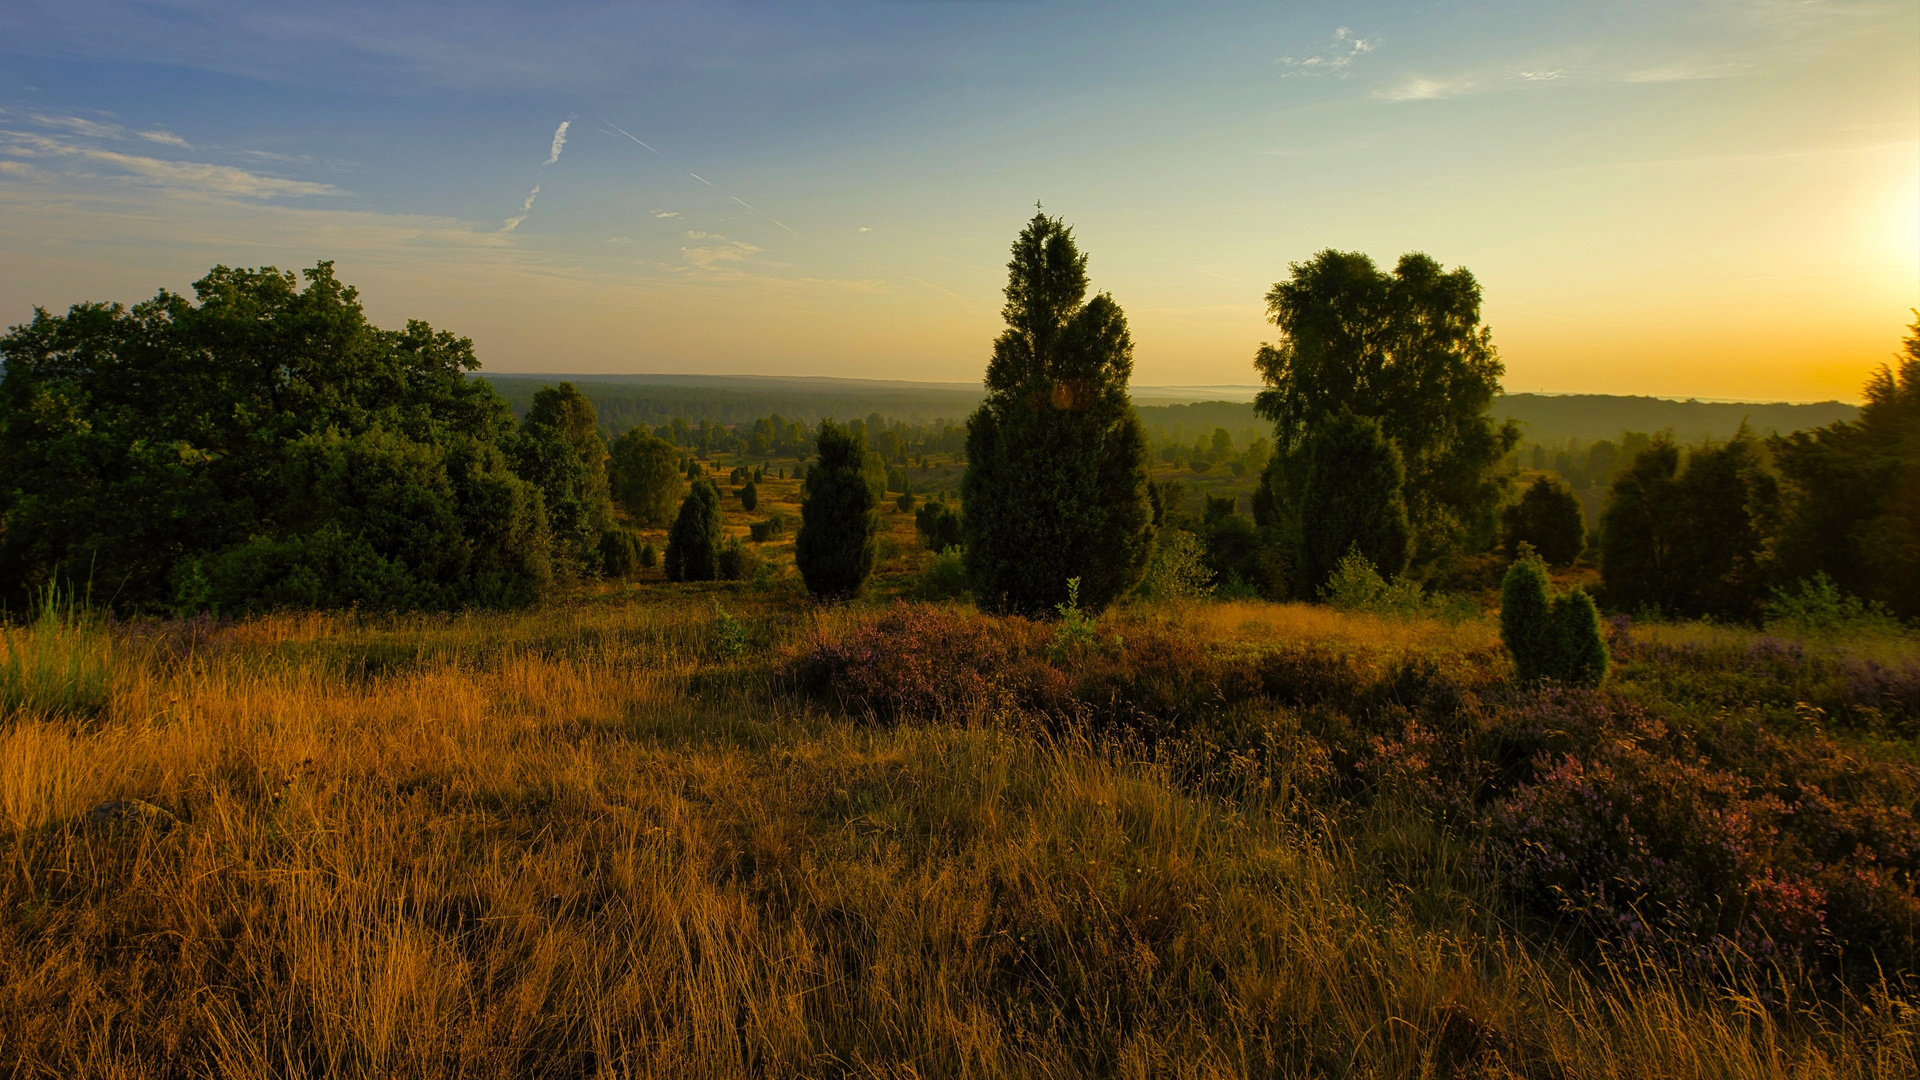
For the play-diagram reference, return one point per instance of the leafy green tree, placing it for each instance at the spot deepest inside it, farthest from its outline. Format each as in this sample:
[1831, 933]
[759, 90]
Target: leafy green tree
[1547, 516]
[838, 543]
[559, 450]
[749, 496]
[1852, 492]
[619, 552]
[644, 476]
[137, 445]
[1056, 486]
[1407, 349]
[1693, 541]
[693, 543]
[1350, 499]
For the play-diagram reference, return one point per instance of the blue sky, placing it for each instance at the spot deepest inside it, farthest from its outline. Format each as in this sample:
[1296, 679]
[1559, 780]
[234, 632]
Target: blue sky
[1720, 199]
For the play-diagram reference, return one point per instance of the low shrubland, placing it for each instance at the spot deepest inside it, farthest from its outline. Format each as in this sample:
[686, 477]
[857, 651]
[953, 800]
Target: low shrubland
[724, 832]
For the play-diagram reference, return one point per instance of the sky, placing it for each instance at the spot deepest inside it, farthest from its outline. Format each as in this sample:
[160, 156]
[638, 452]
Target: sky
[1675, 198]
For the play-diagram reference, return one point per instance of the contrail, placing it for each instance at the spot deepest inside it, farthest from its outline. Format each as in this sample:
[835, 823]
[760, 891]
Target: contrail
[630, 135]
[528, 205]
[559, 141]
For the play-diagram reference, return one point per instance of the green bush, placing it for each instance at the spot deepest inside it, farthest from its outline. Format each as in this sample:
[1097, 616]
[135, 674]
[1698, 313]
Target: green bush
[1549, 637]
[1351, 499]
[649, 556]
[738, 561]
[1816, 607]
[619, 553]
[837, 545]
[945, 577]
[1179, 569]
[693, 544]
[773, 527]
[749, 497]
[938, 525]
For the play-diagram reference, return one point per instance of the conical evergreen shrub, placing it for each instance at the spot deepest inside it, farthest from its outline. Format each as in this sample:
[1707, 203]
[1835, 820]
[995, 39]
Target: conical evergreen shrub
[693, 544]
[1548, 637]
[839, 524]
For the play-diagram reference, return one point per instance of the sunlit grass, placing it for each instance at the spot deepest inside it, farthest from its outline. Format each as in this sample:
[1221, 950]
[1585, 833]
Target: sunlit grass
[575, 842]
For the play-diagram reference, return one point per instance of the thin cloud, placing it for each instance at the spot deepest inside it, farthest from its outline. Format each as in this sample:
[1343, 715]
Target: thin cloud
[863, 228]
[1334, 59]
[1420, 88]
[666, 213]
[80, 126]
[178, 175]
[1683, 73]
[20, 169]
[528, 205]
[1542, 76]
[559, 141]
[512, 223]
[166, 138]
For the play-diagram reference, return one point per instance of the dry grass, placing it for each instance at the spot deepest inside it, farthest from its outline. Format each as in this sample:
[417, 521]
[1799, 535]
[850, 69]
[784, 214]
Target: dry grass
[572, 843]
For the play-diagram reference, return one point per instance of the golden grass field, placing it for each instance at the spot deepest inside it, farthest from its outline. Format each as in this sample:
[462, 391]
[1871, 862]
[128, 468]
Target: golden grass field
[576, 842]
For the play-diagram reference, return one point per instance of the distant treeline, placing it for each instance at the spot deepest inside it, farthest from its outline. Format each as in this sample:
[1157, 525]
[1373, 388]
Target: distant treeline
[1553, 421]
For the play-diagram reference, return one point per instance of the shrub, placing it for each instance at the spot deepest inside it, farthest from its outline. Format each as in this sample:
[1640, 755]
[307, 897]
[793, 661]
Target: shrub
[905, 502]
[619, 553]
[773, 527]
[938, 525]
[738, 561]
[749, 497]
[945, 577]
[1817, 607]
[837, 545]
[1547, 516]
[1548, 637]
[1692, 541]
[729, 635]
[1179, 570]
[649, 556]
[693, 544]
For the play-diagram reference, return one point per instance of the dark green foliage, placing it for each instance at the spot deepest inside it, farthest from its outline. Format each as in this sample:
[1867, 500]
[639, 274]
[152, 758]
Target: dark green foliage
[749, 497]
[1233, 546]
[1689, 542]
[186, 449]
[906, 500]
[1547, 517]
[693, 544]
[644, 476]
[737, 561]
[1056, 486]
[558, 449]
[1350, 499]
[1407, 349]
[649, 556]
[938, 525]
[839, 526]
[619, 553]
[763, 531]
[1549, 637]
[1852, 493]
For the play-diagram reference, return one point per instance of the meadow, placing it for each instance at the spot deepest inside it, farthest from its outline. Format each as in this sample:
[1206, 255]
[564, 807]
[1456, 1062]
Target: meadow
[714, 830]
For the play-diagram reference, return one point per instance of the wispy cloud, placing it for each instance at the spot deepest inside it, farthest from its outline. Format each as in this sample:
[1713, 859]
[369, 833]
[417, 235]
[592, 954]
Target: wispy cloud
[166, 138]
[559, 141]
[528, 205]
[1421, 88]
[1683, 73]
[715, 251]
[1334, 58]
[666, 213]
[1542, 76]
[20, 169]
[181, 175]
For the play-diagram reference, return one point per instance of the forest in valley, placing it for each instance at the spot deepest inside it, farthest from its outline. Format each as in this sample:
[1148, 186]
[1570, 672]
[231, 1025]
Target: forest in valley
[363, 715]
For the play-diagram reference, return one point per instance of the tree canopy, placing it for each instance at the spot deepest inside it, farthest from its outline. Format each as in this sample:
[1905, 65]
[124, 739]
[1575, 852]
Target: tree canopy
[138, 447]
[1056, 486]
[1407, 349]
[839, 521]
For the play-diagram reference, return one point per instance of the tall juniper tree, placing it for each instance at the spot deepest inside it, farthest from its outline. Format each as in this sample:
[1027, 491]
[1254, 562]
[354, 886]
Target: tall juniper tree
[1056, 485]
[839, 522]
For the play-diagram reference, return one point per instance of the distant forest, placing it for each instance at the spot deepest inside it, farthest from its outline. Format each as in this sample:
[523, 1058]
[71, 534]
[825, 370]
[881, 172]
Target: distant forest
[1557, 422]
